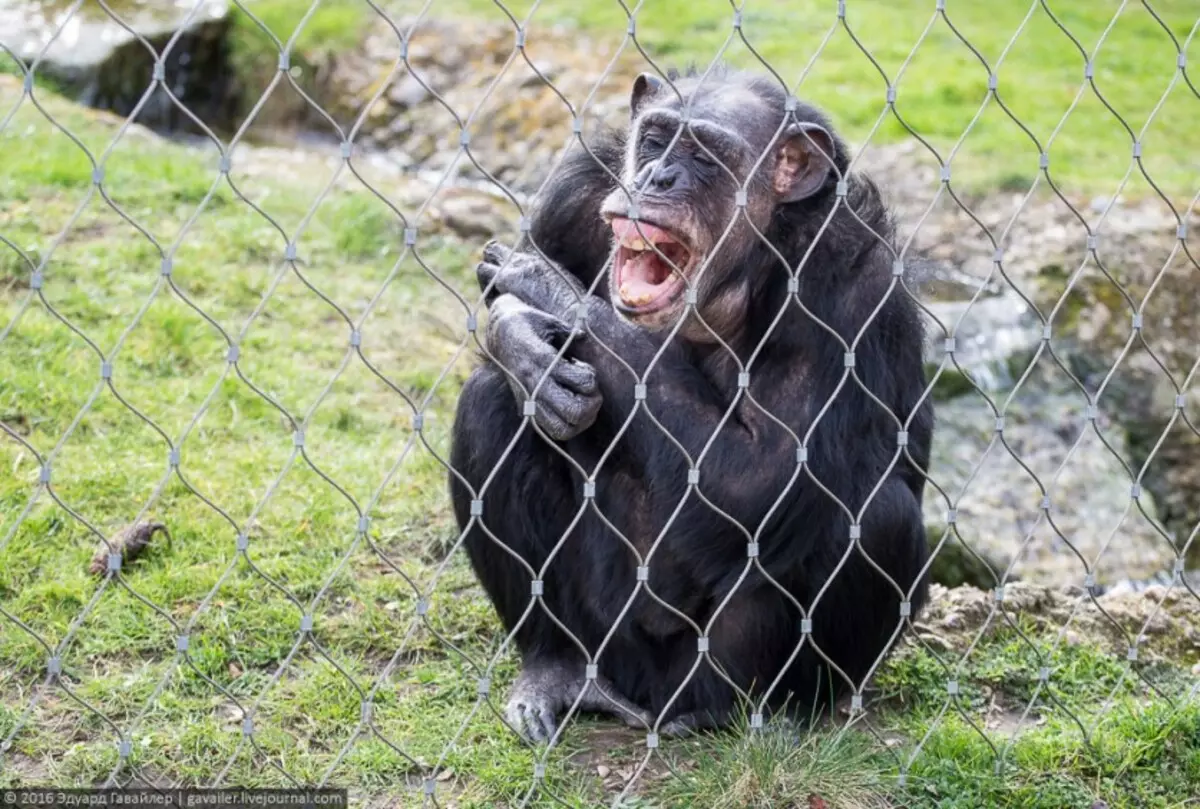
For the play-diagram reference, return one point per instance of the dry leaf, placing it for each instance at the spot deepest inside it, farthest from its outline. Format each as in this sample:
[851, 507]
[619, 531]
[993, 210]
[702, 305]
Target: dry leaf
[817, 802]
[129, 542]
[603, 771]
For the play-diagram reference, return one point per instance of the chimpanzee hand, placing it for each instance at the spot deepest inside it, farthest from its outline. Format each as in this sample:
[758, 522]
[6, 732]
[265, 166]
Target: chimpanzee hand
[521, 338]
[531, 278]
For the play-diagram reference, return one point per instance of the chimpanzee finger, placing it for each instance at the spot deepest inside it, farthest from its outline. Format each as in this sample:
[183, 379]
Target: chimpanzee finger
[552, 425]
[495, 252]
[549, 725]
[578, 376]
[556, 425]
[538, 723]
[485, 273]
[559, 380]
[563, 414]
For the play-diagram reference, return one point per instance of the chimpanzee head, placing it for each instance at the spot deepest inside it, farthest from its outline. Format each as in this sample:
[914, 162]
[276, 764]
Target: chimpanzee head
[685, 175]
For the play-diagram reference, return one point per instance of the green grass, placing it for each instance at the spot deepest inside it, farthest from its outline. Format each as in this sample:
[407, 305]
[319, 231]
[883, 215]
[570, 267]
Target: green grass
[182, 714]
[335, 26]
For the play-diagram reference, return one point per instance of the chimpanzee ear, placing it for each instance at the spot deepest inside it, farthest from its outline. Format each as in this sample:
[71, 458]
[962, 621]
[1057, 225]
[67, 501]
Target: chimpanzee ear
[645, 86]
[805, 158]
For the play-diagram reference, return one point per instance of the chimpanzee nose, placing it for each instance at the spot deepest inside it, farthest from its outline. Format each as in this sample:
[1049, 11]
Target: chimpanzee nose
[665, 177]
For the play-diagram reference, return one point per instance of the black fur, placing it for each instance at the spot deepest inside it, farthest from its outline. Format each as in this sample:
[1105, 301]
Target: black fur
[747, 472]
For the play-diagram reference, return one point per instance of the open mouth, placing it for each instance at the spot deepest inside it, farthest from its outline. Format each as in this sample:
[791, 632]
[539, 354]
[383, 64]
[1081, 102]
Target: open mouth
[645, 278]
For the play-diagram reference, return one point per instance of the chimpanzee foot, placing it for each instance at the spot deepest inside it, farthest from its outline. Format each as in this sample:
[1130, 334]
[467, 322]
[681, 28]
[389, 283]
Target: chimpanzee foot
[532, 712]
[602, 696]
[688, 723]
[544, 690]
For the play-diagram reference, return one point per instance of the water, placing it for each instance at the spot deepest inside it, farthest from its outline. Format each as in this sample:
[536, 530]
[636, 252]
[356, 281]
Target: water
[87, 35]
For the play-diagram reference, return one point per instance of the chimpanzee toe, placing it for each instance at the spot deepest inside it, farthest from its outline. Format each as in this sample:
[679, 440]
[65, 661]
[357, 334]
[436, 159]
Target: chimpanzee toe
[533, 719]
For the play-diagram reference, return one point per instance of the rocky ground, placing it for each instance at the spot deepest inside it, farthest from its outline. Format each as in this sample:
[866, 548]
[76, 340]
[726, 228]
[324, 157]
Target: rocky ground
[1165, 623]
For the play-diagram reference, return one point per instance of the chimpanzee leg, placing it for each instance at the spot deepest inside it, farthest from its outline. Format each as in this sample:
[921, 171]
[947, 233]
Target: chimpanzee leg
[528, 505]
[856, 621]
[748, 642]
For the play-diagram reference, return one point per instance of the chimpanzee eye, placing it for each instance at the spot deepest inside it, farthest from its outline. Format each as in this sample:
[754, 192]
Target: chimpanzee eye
[705, 160]
[652, 142]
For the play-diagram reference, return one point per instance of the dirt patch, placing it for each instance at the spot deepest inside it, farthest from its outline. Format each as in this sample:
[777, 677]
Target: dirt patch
[1162, 622]
[613, 754]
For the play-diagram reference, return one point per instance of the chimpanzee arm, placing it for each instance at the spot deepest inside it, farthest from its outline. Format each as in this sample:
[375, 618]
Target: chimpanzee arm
[678, 394]
[566, 227]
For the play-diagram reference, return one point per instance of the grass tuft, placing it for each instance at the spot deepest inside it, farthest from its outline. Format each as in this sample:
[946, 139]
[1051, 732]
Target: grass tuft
[784, 764]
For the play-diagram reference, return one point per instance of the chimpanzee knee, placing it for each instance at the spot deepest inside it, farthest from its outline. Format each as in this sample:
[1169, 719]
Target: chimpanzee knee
[484, 425]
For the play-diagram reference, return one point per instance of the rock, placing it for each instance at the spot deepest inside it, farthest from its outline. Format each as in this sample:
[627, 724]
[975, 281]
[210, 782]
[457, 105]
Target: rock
[108, 68]
[961, 613]
[128, 543]
[955, 565]
[996, 488]
[475, 216]
[1044, 256]
[516, 122]
[407, 92]
[994, 339]
[543, 71]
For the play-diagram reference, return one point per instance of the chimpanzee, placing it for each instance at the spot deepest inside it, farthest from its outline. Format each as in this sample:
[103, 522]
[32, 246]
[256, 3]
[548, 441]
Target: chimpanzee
[719, 420]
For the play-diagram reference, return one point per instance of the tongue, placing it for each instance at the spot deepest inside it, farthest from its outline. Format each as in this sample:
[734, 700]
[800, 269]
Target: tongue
[644, 273]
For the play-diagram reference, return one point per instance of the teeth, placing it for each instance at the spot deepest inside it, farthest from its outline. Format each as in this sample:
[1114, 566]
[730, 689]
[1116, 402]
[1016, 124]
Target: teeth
[638, 245]
[640, 300]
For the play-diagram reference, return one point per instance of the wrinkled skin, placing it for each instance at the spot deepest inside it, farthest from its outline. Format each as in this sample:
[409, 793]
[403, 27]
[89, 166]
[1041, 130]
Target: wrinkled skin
[521, 339]
[544, 690]
[597, 300]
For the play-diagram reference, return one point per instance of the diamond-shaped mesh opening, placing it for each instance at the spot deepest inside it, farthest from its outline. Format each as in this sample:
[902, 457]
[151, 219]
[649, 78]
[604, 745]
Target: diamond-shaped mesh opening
[237, 267]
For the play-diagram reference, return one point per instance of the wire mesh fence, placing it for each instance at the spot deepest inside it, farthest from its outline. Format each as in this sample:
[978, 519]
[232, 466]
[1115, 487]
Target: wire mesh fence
[231, 358]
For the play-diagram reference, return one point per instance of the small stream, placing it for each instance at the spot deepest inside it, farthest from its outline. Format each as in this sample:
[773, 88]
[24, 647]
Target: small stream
[106, 66]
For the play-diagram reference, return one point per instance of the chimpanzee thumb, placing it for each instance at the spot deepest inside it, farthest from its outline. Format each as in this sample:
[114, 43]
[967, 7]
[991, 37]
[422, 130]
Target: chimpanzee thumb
[548, 327]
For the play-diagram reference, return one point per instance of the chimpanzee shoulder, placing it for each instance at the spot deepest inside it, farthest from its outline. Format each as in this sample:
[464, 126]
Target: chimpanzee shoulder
[565, 219]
